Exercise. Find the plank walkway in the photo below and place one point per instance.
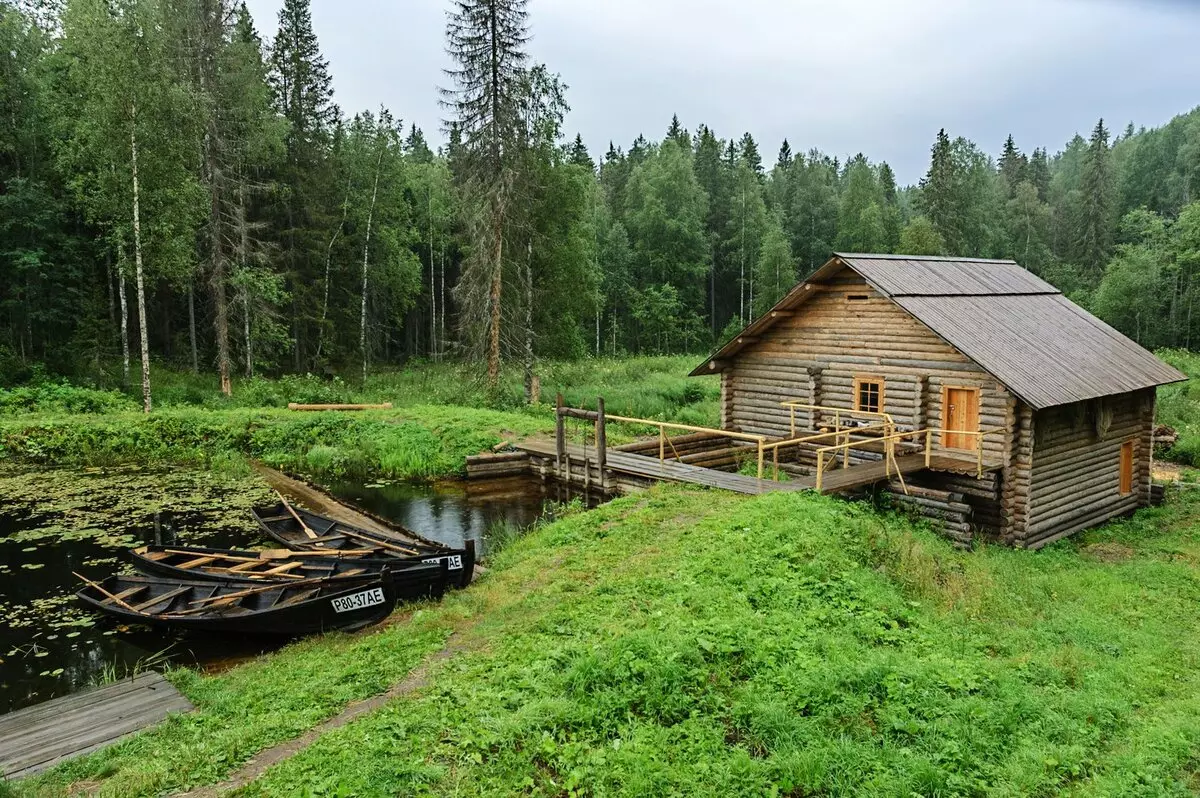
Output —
(836, 480)
(38, 737)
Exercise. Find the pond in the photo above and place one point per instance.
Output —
(56, 523)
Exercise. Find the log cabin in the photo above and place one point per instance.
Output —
(1036, 417)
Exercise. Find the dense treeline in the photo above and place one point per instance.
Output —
(160, 160)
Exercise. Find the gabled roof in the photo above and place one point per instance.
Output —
(1014, 325)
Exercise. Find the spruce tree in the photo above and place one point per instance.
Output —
(578, 154)
(415, 146)
(1013, 166)
(678, 134)
(1094, 226)
(486, 40)
(890, 209)
(1039, 173)
(303, 94)
(748, 149)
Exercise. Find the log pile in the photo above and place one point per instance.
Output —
(948, 511)
(496, 465)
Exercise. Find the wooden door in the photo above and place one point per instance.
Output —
(1126, 468)
(960, 414)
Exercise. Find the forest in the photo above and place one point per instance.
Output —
(178, 187)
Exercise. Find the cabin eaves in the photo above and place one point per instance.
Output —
(1014, 325)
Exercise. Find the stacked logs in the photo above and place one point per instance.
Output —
(947, 510)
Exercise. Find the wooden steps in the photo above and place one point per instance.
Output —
(38, 737)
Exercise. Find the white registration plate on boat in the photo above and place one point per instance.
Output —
(453, 562)
(358, 601)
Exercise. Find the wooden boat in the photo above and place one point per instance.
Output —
(279, 565)
(292, 608)
(302, 530)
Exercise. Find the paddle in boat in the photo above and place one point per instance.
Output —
(302, 530)
(296, 608)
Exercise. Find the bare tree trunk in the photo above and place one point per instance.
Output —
(442, 304)
(192, 328)
(328, 262)
(137, 260)
(124, 318)
(494, 295)
(246, 332)
(362, 320)
(598, 329)
(432, 287)
(529, 325)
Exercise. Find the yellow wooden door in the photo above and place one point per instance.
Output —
(1126, 468)
(960, 413)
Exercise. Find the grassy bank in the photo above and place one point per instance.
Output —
(699, 643)
(441, 415)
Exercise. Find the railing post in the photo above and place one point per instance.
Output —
(820, 468)
(776, 452)
(760, 458)
(601, 444)
(979, 457)
(662, 444)
(928, 446)
(792, 413)
(560, 437)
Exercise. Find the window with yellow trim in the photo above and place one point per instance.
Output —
(868, 394)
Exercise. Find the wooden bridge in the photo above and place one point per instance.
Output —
(854, 450)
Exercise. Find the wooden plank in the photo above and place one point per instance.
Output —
(299, 406)
(37, 737)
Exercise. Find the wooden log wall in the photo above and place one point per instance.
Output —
(496, 465)
(817, 350)
(1075, 475)
(981, 495)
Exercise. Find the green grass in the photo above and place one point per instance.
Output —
(700, 643)
(442, 414)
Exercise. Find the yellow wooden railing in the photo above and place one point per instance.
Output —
(760, 441)
(889, 449)
(838, 414)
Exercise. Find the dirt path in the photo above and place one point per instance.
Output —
(264, 760)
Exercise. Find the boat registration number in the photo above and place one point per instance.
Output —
(358, 601)
(453, 562)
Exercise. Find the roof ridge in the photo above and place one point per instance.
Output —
(969, 295)
(897, 256)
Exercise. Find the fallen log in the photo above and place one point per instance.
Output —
(299, 406)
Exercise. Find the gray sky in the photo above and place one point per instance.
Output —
(877, 76)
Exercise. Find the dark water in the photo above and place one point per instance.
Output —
(453, 513)
(51, 646)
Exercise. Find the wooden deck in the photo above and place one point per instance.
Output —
(835, 480)
(38, 737)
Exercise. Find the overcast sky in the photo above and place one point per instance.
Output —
(876, 76)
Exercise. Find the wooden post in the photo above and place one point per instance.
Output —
(978, 456)
(760, 458)
(792, 412)
(928, 446)
(776, 451)
(662, 444)
(820, 468)
(846, 451)
(601, 444)
(560, 439)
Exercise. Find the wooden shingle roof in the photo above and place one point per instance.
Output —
(1014, 325)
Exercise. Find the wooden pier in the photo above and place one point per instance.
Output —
(39, 737)
(848, 455)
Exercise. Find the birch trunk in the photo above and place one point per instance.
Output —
(192, 328)
(124, 318)
(246, 332)
(362, 319)
(432, 287)
(137, 261)
(328, 263)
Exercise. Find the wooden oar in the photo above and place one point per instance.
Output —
(287, 554)
(387, 545)
(293, 513)
(116, 599)
(251, 591)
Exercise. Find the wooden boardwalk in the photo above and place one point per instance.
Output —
(835, 480)
(38, 737)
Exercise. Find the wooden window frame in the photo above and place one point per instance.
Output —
(1125, 479)
(867, 379)
(976, 440)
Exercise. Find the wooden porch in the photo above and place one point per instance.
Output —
(854, 450)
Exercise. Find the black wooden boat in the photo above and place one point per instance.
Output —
(293, 608)
(302, 530)
(279, 565)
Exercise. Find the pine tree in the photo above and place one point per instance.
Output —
(578, 154)
(1013, 166)
(1039, 173)
(785, 156)
(303, 94)
(1094, 227)
(940, 198)
(748, 150)
(486, 40)
(890, 209)
(678, 134)
(415, 146)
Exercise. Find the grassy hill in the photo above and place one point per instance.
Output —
(686, 642)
